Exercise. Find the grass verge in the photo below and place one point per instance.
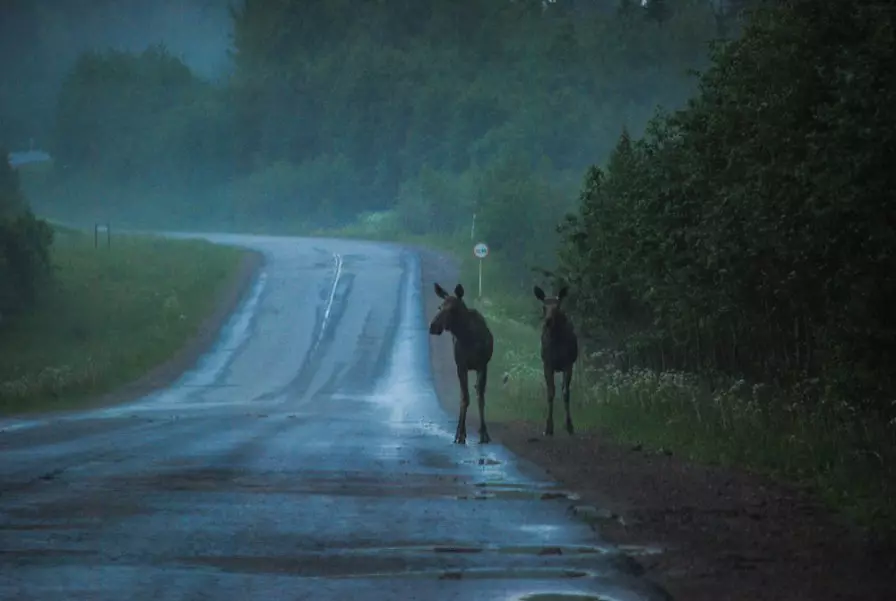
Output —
(849, 460)
(108, 316)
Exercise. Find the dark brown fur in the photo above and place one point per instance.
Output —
(559, 352)
(473, 348)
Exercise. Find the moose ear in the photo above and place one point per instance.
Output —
(563, 292)
(440, 292)
(459, 291)
(539, 293)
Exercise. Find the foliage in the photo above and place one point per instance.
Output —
(140, 119)
(321, 184)
(430, 110)
(24, 245)
(848, 459)
(108, 317)
(738, 236)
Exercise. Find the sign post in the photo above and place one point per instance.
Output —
(99, 227)
(480, 251)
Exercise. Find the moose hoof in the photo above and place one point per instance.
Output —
(570, 429)
(460, 440)
(548, 431)
(484, 438)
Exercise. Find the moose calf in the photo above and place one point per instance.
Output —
(559, 352)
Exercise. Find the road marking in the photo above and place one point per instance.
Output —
(323, 326)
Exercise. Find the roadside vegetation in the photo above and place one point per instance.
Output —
(106, 316)
(730, 254)
(736, 309)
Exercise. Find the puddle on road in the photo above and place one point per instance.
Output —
(443, 461)
(36, 527)
(509, 492)
(415, 562)
(75, 512)
(395, 567)
(48, 557)
(186, 478)
(457, 549)
(482, 461)
(560, 597)
(475, 574)
(540, 550)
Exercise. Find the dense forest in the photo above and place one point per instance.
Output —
(753, 233)
(25, 244)
(745, 229)
(333, 108)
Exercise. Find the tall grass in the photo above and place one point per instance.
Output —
(109, 316)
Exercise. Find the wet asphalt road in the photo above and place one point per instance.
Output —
(305, 457)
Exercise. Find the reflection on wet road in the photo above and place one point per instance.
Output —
(306, 457)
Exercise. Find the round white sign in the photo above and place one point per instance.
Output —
(481, 250)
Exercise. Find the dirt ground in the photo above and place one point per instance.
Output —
(727, 535)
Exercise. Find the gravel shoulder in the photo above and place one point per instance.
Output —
(727, 535)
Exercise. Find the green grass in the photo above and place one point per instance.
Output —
(847, 459)
(108, 316)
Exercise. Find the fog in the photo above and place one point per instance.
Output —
(41, 39)
(402, 116)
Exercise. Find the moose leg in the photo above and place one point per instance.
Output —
(549, 382)
(461, 436)
(567, 380)
(481, 381)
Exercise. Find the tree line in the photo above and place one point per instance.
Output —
(752, 233)
(433, 110)
(25, 244)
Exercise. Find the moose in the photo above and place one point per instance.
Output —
(559, 351)
(473, 349)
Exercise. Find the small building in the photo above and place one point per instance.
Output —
(17, 159)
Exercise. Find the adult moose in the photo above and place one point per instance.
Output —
(473, 348)
(559, 351)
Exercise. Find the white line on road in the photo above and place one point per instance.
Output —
(337, 258)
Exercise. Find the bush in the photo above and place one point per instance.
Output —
(308, 193)
(24, 245)
(737, 237)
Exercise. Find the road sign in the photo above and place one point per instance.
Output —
(100, 227)
(480, 251)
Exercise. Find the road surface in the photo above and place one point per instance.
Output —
(306, 456)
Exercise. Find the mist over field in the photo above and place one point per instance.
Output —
(40, 41)
(336, 108)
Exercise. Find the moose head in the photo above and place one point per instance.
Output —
(451, 311)
(550, 306)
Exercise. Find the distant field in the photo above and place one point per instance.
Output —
(109, 317)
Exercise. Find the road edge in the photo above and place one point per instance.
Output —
(166, 373)
(436, 266)
(439, 267)
(691, 565)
